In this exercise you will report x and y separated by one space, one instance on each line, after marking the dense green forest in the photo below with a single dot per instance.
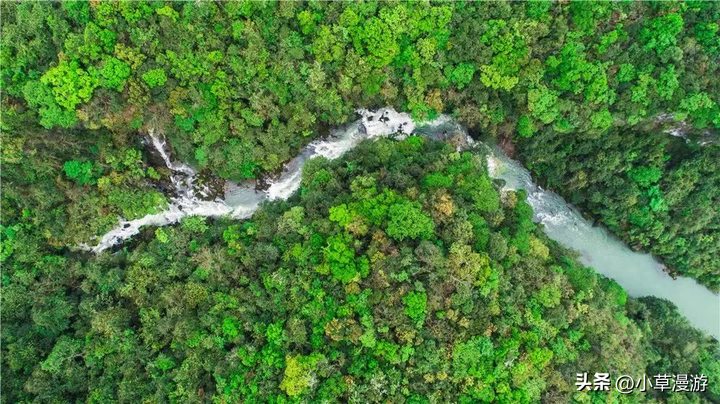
653 188
397 274
240 87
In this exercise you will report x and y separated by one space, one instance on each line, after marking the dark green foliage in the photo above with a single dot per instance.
672 343
79 171
652 189
241 87
68 195
313 300
397 274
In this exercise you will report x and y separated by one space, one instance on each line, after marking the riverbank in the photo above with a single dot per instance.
640 274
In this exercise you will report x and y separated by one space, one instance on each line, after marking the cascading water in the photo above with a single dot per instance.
241 200
682 130
640 274
186 202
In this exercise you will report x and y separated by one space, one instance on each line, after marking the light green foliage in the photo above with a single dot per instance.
572 72
701 108
668 83
462 74
70 84
468 266
602 120
299 373
79 171
162 236
341 261
230 327
341 215
472 358
587 14
480 190
40 96
626 73
611 38
538 9
661 33
8 235
78 11
293 220
168 11
549 296
492 77
542 104
645 176
164 363
155 78
416 306
63 353
437 180
406 220
509 53
114 73
379 41
196 224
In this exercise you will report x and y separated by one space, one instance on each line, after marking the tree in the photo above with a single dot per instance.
415 306
114 73
407 220
155 78
70 84
299 373
79 171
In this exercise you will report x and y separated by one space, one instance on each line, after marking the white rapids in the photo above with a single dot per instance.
242 200
639 274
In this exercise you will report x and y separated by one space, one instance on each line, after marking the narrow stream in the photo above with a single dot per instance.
242 200
640 274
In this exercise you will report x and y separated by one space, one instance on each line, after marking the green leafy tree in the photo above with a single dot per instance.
416 306
407 220
79 171
155 78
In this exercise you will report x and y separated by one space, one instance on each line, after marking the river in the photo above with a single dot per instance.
639 274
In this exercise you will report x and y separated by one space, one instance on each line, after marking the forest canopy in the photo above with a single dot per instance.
240 87
398 273
335 295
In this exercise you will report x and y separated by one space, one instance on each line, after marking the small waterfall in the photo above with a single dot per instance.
160 146
640 274
187 202
382 123
241 200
